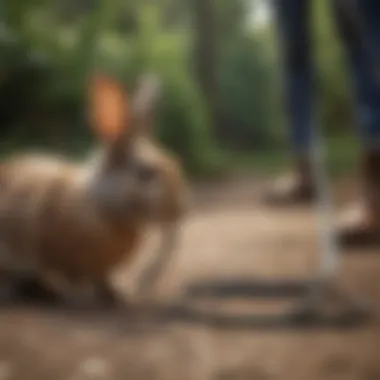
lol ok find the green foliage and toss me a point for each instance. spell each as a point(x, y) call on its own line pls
point(55, 115)
point(230, 17)
point(48, 48)
point(246, 88)
point(184, 126)
point(183, 123)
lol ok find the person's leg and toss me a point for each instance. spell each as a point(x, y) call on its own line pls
point(293, 18)
point(359, 28)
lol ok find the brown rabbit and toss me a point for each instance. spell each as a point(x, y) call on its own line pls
point(75, 223)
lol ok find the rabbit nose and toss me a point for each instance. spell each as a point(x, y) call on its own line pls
point(146, 173)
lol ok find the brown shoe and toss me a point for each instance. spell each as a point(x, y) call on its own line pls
point(293, 188)
point(360, 225)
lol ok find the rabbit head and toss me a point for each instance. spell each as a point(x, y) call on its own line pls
point(132, 177)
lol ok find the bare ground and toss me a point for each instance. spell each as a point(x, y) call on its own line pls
point(228, 234)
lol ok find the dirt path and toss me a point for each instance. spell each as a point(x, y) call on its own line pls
point(228, 234)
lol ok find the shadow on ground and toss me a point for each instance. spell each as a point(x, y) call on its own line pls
point(231, 235)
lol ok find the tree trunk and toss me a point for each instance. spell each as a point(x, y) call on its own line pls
point(206, 54)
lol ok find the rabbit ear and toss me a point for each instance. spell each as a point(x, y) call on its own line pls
point(144, 102)
point(109, 108)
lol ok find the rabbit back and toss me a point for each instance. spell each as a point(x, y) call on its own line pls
point(47, 222)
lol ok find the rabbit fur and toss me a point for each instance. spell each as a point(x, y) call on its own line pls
point(69, 223)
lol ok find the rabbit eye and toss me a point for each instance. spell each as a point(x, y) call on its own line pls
point(146, 173)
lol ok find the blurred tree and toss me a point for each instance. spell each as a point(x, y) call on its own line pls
point(206, 53)
point(217, 27)
point(217, 75)
point(247, 75)
point(247, 96)
point(231, 16)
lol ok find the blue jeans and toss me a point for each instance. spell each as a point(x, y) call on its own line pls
point(293, 18)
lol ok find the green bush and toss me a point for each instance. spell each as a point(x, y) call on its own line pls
point(246, 96)
point(184, 126)
point(53, 68)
